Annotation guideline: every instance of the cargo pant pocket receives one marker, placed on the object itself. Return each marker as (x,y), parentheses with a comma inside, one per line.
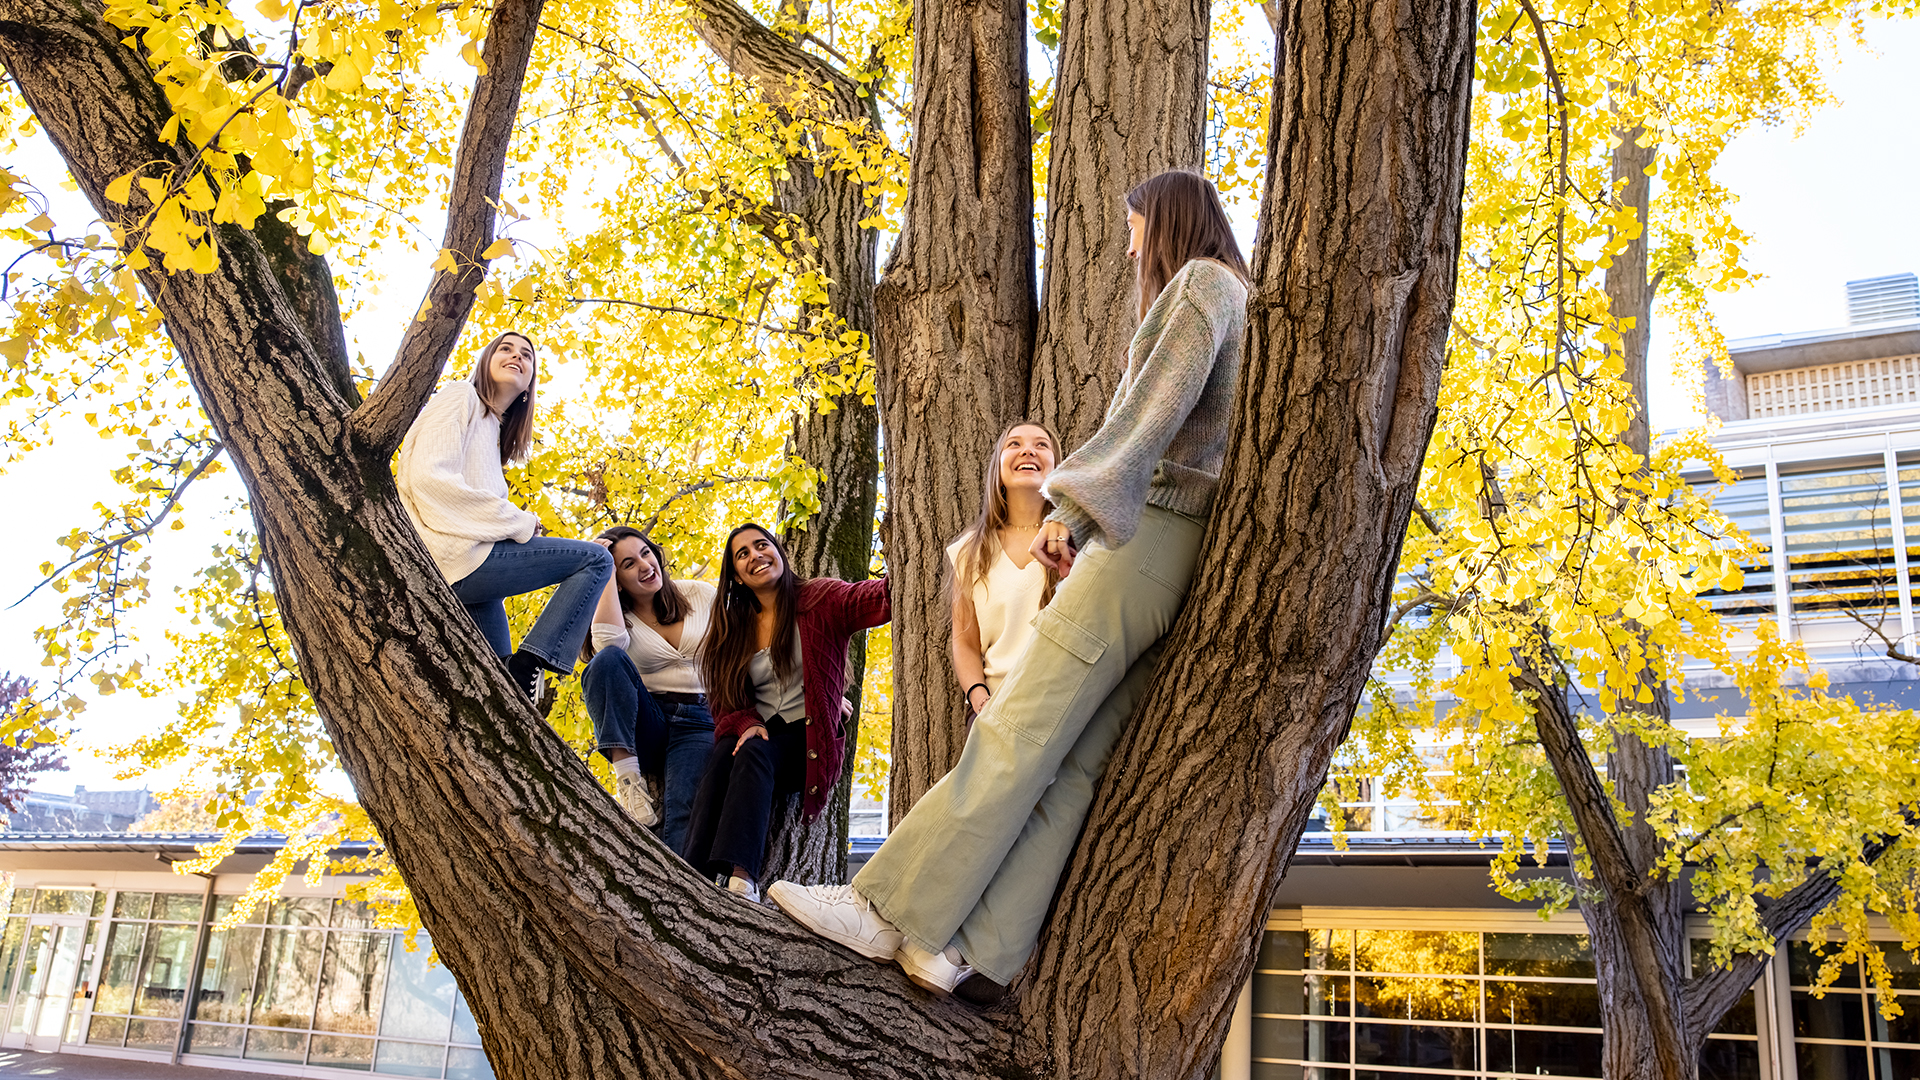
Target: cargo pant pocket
(1054,682)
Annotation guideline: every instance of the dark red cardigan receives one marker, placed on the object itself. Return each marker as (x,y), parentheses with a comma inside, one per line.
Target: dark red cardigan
(831,612)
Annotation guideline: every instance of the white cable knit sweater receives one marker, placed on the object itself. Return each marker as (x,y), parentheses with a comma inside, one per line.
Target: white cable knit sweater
(452,486)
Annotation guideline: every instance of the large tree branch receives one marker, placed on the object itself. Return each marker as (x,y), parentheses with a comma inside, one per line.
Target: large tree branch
(1709,994)
(477,169)
(754,52)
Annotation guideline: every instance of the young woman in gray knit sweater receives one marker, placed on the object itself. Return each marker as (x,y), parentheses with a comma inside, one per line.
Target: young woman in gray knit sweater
(958,892)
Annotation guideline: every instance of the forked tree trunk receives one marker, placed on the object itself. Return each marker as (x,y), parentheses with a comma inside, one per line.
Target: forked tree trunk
(1130,100)
(1347,325)
(584,949)
(956,314)
(843,444)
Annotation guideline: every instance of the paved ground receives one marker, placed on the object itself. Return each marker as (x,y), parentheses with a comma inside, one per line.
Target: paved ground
(86,1067)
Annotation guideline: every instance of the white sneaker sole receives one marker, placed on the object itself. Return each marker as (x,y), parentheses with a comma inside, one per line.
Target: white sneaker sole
(775,892)
(920,978)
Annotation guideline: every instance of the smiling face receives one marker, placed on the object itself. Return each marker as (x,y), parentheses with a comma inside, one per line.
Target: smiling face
(1026,457)
(635,570)
(756,560)
(511,364)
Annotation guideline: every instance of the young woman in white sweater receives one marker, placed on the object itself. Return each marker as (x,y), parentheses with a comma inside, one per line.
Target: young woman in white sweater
(453,484)
(643,687)
(998,586)
(958,893)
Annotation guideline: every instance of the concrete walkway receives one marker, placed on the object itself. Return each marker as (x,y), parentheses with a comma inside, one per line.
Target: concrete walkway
(87,1067)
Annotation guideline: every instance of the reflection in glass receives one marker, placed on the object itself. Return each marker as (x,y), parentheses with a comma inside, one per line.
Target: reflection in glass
(133,905)
(217,1041)
(1727,1059)
(1331,950)
(1898,1062)
(419,1001)
(289,969)
(1328,995)
(1903,969)
(351,979)
(299,911)
(153,1034)
(38,949)
(1329,1040)
(107,1031)
(1837,1015)
(276,1046)
(1804,965)
(1417,952)
(352,915)
(64,901)
(1904,1028)
(99,907)
(62,973)
(117,970)
(1565,956)
(178,907)
(468,1065)
(1543,1004)
(169,964)
(1553,1053)
(1411,998)
(232,956)
(10,955)
(341,1052)
(1826,1062)
(465,1030)
(409,1059)
(22,901)
(1419,1047)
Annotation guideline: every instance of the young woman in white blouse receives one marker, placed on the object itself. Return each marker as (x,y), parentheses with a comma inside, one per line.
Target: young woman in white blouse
(998,586)
(452,480)
(642,686)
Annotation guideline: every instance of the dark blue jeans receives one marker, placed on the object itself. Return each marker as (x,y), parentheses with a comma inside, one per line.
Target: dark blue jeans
(733,810)
(671,739)
(580,569)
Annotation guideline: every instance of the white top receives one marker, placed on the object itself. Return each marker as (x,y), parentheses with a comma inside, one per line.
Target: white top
(452,486)
(663,668)
(771,696)
(1004,604)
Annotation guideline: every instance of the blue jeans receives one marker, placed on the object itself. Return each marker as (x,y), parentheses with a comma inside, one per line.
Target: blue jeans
(671,739)
(581,570)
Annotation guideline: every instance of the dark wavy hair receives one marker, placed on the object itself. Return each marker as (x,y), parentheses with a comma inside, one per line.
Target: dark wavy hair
(669,604)
(1185,221)
(730,634)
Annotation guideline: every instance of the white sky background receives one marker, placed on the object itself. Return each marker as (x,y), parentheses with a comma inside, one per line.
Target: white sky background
(1836,203)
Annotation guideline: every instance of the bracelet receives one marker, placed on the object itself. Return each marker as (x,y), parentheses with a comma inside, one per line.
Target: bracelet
(976,686)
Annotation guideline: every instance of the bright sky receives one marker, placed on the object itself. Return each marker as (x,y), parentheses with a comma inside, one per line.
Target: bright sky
(1832,204)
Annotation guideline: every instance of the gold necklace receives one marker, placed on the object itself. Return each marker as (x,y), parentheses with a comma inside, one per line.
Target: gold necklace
(1021,528)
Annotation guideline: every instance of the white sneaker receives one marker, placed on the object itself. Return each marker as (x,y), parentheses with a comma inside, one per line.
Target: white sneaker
(631,791)
(743,887)
(939,972)
(837,913)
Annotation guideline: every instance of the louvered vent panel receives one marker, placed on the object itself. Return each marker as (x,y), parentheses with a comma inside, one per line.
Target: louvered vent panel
(1863,384)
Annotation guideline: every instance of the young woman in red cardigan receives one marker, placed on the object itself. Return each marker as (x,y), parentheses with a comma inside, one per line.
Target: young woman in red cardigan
(775,664)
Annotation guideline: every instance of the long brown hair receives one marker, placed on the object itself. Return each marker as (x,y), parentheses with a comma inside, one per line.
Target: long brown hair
(516,424)
(730,633)
(669,603)
(980,542)
(1185,221)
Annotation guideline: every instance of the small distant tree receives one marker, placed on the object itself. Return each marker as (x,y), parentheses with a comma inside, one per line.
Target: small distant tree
(21,757)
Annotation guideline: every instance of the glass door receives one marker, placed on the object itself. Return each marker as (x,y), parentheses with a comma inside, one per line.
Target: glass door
(49,966)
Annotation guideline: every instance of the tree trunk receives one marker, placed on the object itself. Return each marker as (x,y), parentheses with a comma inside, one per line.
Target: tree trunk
(1159,914)
(843,444)
(956,314)
(584,948)
(1130,101)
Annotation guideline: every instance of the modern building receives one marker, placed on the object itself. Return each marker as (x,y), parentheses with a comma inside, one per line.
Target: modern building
(82,811)
(106,950)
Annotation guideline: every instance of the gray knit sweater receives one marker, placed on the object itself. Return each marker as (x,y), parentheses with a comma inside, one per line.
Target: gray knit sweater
(1165,435)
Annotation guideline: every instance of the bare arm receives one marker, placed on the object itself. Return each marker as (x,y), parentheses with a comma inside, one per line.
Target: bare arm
(968,665)
(609,625)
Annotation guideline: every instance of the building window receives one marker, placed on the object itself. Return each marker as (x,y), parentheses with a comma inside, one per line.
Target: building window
(1839,1034)
(145,970)
(310,981)
(1357,1004)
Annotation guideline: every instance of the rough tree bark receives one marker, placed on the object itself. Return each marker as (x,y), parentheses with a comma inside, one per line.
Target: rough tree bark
(843,444)
(955,313)
(584,948)
(1130,101)
(1354,265)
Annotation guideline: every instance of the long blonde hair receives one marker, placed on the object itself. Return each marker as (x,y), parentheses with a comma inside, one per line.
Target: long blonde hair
(978,544)
(516,424)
